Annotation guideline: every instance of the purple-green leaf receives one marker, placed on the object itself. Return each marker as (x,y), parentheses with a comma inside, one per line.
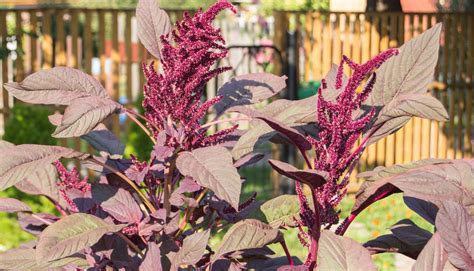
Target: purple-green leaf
(456,229)
(23,161)
(9,205)
(281,211)
(212,167)
(311,177)
(248,160)
(60,85)
(42,182)
(83,115)
(152,260)
(103,140)
(118,202)
(152,23)
(425,209)
(249,89)
(247,234)
(194,247)
(71,234)
(341,253)
(433,257)
(25,259)
(401,84)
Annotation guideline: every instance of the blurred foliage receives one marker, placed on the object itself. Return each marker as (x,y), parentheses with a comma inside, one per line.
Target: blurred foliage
(269,5)
(137,142)
(28,124)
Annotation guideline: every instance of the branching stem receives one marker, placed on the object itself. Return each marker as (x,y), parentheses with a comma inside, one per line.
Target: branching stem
(132,117)
(130,243)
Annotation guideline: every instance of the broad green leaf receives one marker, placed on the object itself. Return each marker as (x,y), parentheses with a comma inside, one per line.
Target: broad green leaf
(281,211)
(9,205)
(152,22)
(311,177)
(212,167)
(456,229)
(249,89)
(246,234)
(341,253)
(401,83)
(118,202)
(22,161)
(433,257)
(70,235)
(60,85)
(83,115)
(194,247)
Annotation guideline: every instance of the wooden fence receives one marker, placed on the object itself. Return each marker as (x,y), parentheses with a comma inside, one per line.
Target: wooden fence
(325,37)
(103,42)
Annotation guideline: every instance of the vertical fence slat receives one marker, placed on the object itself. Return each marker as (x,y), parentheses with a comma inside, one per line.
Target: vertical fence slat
(408,129)
(416,122)
(60,41)
(425,123)
(5,96)
(461,79)
(327,48)
(20,69)
(452,86)
(307,47)
(47,41)
(470,88)
(443,142)
(316,49)
(115,68)
(434,128)
(34,63)
(400,135)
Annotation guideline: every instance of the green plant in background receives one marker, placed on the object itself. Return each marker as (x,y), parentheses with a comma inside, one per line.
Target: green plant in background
(26,124)
(269,5)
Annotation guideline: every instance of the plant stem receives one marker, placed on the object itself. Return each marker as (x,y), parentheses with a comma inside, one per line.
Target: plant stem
(130,243)
(189,211)
(223,120)
(130,182)
(167,189)
(287,253)
(315,232)
(148,133)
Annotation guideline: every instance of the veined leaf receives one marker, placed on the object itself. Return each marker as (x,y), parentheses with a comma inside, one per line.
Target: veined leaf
(456,229)
(9,205)
(5,144)
(152,260)
(433,256)
(152,22)
(83,115)
(401,83)
(248,160)
(25,259)
(249,89)
(435,183)
(118,202)
(246,234)
(42,182)
(192,250)
(341,253)
(23,161)
(314,178)
(71,234)
(425,209)
(60,85)
(104,140)
(212,167)
(281,211)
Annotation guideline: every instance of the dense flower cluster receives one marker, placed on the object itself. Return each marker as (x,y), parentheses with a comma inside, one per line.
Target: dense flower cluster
(338,132)
(173,98)
(71,181)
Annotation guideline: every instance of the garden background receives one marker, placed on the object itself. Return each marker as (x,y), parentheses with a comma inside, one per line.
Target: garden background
(300,39)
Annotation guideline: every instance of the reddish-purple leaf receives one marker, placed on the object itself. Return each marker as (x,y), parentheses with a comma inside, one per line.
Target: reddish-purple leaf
(35,223)
(60,85)
(5,144)
(152,22)
(293,268)
(22,161)
(118,202)
(401,83)
(433,257)
(249,89)
(212,167)
(71,234)
(425,209)
(431,181)
(456,228)
(43,182)
(103,140)
(248,160)
(83,115)
(311,177)
(341,253)
(152,260)
(13,205)
(194,247)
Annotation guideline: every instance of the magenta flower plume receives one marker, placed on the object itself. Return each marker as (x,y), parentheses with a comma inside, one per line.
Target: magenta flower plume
(173,97)
(69,181)
(339,131)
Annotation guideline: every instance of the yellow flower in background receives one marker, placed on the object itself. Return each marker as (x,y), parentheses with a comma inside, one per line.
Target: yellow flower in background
(375,233)
(389,216)
(408,213)
(383,203)
(376,221)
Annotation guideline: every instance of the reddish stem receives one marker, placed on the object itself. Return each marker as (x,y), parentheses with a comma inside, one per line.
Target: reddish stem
(287,252)
(315,232)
